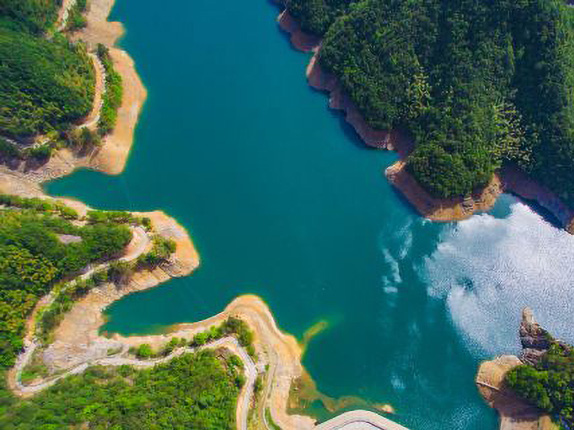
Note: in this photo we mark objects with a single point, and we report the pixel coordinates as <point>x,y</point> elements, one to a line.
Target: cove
<point>282,200</point>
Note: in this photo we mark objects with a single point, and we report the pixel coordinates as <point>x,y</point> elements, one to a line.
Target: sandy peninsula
<point>77,341</point>
<point>441,210</point>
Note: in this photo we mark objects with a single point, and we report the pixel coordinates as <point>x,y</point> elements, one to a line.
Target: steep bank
<point>444,210</point>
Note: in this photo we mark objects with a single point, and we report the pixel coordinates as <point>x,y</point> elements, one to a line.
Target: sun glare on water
<point>488,269</point>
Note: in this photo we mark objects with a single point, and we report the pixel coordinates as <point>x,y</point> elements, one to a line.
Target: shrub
<point>9,150</point>
<point>76,19</point>
<point>116,217</point>
<point>120,272</point>
<point>144,351</point>
<point>41,152</point>
<point>113,96</point>
<point>161,251</point>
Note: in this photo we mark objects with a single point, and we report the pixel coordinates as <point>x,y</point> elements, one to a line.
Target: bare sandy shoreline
<point>441,210</point>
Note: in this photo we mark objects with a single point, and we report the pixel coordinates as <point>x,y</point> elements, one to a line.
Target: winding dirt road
<point>138,245</point>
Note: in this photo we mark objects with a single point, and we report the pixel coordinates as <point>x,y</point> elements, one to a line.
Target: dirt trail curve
<point>138,245</point>
<point>226,342</point>
<point>91,121</point>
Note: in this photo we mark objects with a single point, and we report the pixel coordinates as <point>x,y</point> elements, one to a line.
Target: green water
<point>283,201</point>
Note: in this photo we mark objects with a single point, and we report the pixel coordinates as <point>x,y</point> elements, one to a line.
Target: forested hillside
<point>46,83</point>
<point>477,84</point>
<point>316,16</point>
<point>33,258</point>
<point>193,391</point>
<point>35,16</point>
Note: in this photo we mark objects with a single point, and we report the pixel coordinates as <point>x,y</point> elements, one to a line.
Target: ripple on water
<point>488,269</point>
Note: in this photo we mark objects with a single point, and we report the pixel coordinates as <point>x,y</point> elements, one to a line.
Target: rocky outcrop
<point>534,339</point>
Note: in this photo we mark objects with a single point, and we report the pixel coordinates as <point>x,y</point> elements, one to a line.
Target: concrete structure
<point>359,420</point>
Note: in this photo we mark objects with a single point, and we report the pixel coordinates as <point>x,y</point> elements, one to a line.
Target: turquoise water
<point>283,201</point>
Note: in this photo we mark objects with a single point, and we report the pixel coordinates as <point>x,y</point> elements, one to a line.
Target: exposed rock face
<point>534,339</point>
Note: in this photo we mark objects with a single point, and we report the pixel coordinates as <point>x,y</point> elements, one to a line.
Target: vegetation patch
<point>37,204</point>
<point>33,260</point>
<point>45,85</point>
<point>549,384</point>
<point>162,249</point>
<point>9,151</point>
<point>76,19</point>
<point>315,17</point>
<point>112,99</point>
<point>34,16</point>
<point>193,391</point>
<point>231,326</point>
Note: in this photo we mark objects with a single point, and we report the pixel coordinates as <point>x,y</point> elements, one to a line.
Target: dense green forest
<point>46,83</point>
<point>477,84</point>
<point>548,385</point>
<point>192,391</point>
<point>33,259</point>
<point>35,16</point>
<point>316,16</point>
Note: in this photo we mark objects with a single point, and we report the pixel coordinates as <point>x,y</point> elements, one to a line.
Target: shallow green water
<point>283,201</point>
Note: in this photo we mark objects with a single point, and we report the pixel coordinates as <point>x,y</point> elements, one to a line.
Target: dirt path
<point>91,121</point>
<point>138,245</point>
